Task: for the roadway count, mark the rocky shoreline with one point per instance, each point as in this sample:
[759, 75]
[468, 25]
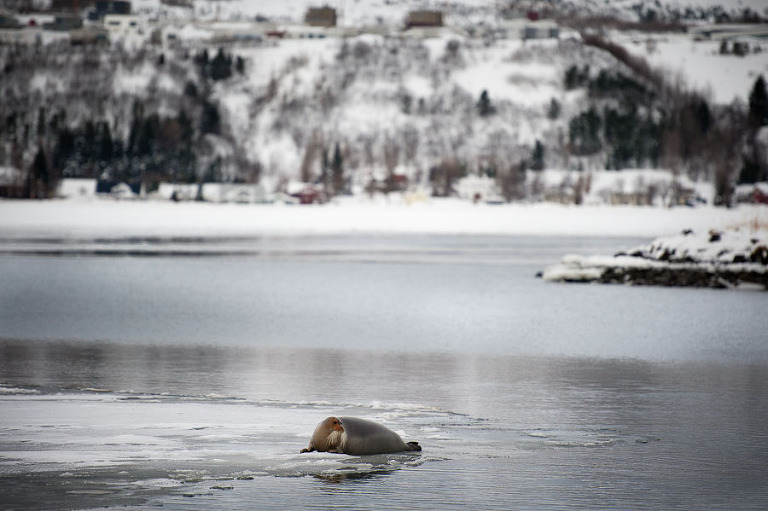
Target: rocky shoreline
[716, 259]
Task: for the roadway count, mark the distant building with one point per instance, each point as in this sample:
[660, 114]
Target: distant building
[306, 193]
[320, 17]
[541, 29]
[306, 32]
[70, 5]
[7, 20]
[424, 19]
[13, 32]
[213, 192]
[104, 7]
[728, 32]
[523, 28]
[123, 24]
[477, 188]
[123, 191]
[76, 188]
[64, 23]
[756, 193]
[88, 36]
[178, 3]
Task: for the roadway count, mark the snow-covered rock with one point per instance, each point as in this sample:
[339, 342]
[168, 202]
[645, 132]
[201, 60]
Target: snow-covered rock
[718, 259]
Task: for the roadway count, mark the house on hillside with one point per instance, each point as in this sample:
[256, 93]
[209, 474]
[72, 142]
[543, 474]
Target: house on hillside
[240, 33]
[76, 188]
[105, 7]
[123, 191]
[477, 188]
[722, 31]
[88, 36]
[123, 24]
[306, 193]
[174, 35]
[756, 193]
[525, 29]
[13, 32]
[64, 23]
[238, 193]
[320, 17]
[8, 20]
[424, 19]
[30, 35]
[178, 3]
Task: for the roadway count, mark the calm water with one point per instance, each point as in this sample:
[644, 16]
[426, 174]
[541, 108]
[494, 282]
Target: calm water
[188, 374]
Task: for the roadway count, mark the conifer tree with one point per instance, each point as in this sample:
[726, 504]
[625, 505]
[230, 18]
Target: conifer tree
[758, 104]
[325, 166]
[553, 112]
[537, 157]
[106, 146]
[337, 170]
[39, 177]
[484, 106]
[221, 66]
[584, 132]
[210, 121]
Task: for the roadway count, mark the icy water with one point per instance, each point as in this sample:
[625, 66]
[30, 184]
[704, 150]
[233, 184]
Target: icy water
[189, 373]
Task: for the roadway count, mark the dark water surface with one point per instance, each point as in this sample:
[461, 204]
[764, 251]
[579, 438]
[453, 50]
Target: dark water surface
[192, 382]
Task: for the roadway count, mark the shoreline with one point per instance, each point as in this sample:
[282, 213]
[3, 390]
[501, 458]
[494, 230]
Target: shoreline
[69, 218]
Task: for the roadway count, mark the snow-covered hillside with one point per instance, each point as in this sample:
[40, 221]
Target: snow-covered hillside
[367, 12]
[414, 100]
[383, 112]
[723, 78]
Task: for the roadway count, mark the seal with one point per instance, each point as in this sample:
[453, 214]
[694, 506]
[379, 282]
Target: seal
[350, 435]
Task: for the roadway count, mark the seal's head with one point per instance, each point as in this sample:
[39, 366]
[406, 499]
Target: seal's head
[329, 436]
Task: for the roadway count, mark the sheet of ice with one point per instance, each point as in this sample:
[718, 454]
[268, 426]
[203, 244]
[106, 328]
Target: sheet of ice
[75, 431]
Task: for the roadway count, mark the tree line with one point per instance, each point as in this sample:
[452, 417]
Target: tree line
[87, 126]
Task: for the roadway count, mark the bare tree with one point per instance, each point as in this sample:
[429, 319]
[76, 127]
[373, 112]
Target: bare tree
[391, 153]
[311, 151]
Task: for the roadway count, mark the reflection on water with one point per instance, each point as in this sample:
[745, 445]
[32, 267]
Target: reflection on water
[193, 382]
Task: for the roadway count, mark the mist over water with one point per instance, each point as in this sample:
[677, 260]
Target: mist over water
[193, 382]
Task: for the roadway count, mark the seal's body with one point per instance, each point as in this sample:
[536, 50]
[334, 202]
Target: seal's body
[350, 435]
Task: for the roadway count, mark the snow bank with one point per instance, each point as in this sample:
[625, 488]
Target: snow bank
[393, 215]
[731, 258]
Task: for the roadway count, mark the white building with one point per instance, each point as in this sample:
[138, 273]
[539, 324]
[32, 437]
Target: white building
[477, 188]
[124, 24]
[214, 192]
[523, 28]
[76, 188]
[27, 35]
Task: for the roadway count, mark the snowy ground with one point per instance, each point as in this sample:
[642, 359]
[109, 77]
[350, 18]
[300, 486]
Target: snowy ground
[723, 77]
[108, 217]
